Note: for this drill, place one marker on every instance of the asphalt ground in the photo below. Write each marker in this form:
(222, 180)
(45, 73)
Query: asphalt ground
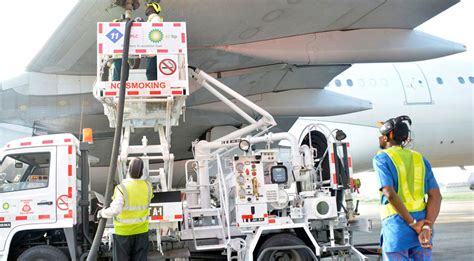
(454, 230)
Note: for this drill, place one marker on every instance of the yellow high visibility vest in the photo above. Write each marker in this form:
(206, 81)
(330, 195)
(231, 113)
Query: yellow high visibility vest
(411, 180)
(133, 219)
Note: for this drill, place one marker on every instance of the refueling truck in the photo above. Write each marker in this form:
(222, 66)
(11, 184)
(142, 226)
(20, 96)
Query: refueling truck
(246, 197)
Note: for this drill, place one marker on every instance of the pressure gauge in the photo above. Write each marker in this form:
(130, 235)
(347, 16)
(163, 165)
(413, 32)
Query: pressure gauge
(283, 200)
(244, 145)
(239, 167)
(240, 180)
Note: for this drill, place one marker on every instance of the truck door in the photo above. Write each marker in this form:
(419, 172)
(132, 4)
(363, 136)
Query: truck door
(27, 190)
(414, 84)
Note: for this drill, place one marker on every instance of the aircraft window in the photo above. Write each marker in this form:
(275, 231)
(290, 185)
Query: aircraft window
(338, 83)
(372, 82)
(349, 82)
(439, 80)
(471, 79)
(461, 80)
(361, 82)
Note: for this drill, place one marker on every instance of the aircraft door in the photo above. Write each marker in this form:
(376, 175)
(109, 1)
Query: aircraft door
(415, 85)
(27, 190)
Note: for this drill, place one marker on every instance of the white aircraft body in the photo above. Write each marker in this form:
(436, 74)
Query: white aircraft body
(438, 95)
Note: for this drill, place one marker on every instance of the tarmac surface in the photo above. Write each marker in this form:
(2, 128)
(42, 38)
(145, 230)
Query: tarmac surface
(454, 230)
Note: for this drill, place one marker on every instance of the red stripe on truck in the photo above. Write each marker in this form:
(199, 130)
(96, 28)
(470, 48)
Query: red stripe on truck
(69, 170)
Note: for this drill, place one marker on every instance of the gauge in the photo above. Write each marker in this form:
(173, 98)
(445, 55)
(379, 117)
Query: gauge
(239, 167)
(240, 180)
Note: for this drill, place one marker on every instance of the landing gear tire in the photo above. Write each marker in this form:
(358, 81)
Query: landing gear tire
(284, 239)
(42, 253)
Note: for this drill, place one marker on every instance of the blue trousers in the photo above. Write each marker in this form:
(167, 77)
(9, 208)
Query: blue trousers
(413, 254)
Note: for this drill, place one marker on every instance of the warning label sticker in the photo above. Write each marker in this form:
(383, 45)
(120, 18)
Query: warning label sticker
(62, 202)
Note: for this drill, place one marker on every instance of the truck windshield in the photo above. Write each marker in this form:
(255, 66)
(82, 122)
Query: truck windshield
(24, 171)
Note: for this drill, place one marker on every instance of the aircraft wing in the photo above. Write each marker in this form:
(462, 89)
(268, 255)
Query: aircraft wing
(72, 48)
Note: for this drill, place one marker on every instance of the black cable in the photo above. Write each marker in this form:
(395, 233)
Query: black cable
(116, 145)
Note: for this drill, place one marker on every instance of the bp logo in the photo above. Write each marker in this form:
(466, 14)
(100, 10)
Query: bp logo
(5, 206)
(155, 36)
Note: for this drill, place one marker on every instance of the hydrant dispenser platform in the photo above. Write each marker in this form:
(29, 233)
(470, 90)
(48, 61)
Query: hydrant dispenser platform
(148, 103)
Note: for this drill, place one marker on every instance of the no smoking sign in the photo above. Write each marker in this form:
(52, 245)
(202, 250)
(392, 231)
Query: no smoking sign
(167, 66)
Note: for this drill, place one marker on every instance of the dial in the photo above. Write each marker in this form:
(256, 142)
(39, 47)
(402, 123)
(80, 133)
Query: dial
(239, 167)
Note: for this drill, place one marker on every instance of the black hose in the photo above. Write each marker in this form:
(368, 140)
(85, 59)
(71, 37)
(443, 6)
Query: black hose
(116, 145)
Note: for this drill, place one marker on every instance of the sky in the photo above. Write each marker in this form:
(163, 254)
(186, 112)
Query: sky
(22, 38)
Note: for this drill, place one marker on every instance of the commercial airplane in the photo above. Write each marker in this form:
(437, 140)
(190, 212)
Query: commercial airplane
(284, 55)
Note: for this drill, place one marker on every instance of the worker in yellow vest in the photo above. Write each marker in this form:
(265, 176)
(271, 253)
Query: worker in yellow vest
(152, 11)
(129, 209)
(405, 177)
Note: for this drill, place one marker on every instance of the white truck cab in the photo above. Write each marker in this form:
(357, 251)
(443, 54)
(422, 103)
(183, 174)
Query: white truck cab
(40, 183)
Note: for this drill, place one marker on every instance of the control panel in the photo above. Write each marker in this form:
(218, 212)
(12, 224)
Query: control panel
(250, 193)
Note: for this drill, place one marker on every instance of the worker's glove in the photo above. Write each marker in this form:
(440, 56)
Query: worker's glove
(99, 214)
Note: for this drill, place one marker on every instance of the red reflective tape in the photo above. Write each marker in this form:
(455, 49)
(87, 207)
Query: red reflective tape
(352, 182)
(271, 221)
(114, 24)
(348, 144)
(180, 50)
(69, 192)
(110, 93)
(132, 93)
(349, 159)
(162, 50)
(25, 143)
(183, 37)
(156, 217)
(157, 24)
(140, 50)
(137, 24)
(334, 178)
(176, 24)
(21, 217)
(69, 150)
(47, 142)
(265, 215)
(178, 216)
(176, 92)
(67, 140)
(69, 214)
(155, 92)
(100, 48)
(2, 219)
(100, 28)
(43, 217)
(332, 158)
(118, 51)
(247, 216)
(69, 170)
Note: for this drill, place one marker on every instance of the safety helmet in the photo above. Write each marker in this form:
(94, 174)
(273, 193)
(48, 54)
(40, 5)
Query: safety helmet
(155, 6)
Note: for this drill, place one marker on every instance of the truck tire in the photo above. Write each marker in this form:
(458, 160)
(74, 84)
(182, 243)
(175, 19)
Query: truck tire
(284, 239)
(42, 253)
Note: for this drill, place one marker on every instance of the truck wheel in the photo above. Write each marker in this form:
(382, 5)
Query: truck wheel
(284, 239)
(42, 253)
